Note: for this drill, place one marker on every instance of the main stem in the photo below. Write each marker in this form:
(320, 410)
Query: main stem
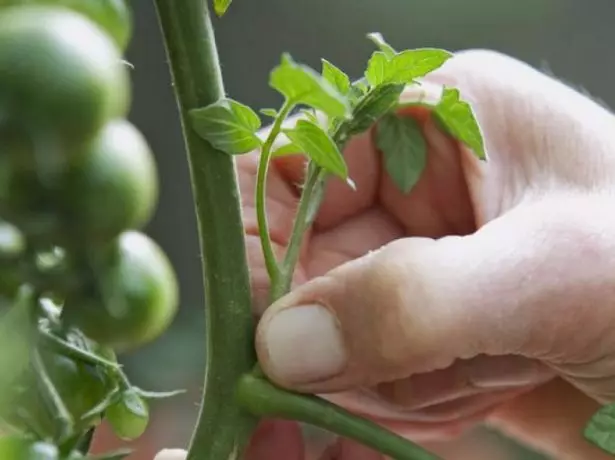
(223, 429)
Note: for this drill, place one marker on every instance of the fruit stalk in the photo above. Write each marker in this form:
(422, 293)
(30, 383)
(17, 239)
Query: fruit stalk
(223, 429)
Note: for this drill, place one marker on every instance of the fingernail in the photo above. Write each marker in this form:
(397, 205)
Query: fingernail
(304, 344)
(171, 454)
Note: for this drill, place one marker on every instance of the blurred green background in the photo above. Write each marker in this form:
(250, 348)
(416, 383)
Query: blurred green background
(568, 38)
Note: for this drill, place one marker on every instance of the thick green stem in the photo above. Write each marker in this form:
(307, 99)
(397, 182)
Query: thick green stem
(223, 429)
(261, 194)
(263, 398)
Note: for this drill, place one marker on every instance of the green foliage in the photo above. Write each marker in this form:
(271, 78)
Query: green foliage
(335, 76)
(16, 340)
(75, 177)
(403, 67)
(271, 113)
(301, 85)
(377, 69)
(221, 6)
(378, 102)
(228, 125)
(290, 148)
(378, 40)
(601, 429)
(457, 117)
(409, 65)
(401, 141)
(319, 147)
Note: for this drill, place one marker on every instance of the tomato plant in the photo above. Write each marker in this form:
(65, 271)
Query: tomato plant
(80, 282)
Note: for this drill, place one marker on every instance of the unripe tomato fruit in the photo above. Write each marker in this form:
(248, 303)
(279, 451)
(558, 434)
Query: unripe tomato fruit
(140, 297)
(129, 416)
(114, 16)
(113, 185)
(61, 77)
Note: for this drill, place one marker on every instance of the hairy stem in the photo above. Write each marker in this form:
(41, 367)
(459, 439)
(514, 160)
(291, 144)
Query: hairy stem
(263, 398)
(302, 222)
(261, 194)
(223, 429)
(311, 198)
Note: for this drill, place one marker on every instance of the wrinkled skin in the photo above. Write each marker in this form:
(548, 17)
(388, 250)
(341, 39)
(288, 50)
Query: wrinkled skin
(488, 294)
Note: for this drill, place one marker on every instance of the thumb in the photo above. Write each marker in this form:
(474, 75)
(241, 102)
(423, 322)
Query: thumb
(525, 283)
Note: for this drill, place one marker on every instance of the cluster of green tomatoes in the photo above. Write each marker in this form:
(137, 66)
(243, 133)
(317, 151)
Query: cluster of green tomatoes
(79, 280)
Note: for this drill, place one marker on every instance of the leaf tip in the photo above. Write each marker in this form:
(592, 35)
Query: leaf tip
(221, 7)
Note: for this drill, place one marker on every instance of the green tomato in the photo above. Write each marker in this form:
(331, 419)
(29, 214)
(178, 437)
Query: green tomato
(113, 186)
(114, 16)
(61, 80)
(135, 299)
(129, 416)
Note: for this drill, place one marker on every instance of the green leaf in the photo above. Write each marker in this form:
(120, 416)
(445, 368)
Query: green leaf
(66, 348)
(377, 103)
(289, 148)
(358, 89)
(335, 76)
(404, 148)
(411, 64)
(377, 69)
(302, 85)
(310, 115)
(109, 399)
(317, 144)
(378, 40)
(221, 6)
(16, 342)
(227, 125)
(273, 113)
(133, 402)
(457, 117)
(601, 429)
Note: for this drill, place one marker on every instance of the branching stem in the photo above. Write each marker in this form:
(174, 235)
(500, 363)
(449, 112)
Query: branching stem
(271, 263)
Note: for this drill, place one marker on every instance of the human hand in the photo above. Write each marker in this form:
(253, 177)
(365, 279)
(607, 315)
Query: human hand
(484, 283)
(486, 294)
